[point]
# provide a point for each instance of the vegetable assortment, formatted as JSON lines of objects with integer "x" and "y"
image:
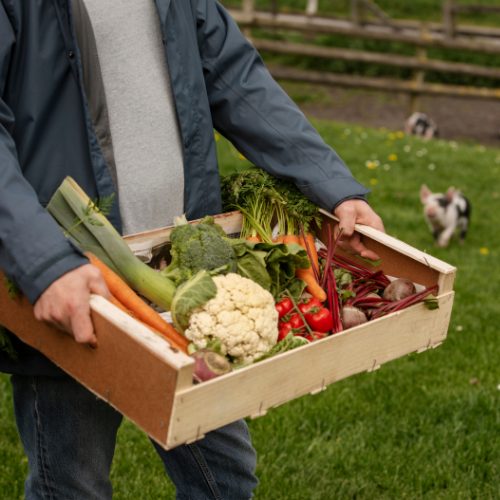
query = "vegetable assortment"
{"x": 237, "y": 301}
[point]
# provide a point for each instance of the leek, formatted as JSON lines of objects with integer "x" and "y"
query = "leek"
{"x": 142, "y": 278}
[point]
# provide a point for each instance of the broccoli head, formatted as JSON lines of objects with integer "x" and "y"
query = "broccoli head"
{"x": 195, "y": 248}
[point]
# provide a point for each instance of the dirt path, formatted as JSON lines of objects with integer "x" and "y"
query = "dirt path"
{"x": 457, "y": 118}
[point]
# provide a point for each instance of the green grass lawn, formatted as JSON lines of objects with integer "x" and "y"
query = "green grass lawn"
{"x": 415, "y": 429}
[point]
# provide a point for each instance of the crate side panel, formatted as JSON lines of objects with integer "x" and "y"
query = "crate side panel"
{"x": 251, "y": 391}
{"x": 121, "y": 370}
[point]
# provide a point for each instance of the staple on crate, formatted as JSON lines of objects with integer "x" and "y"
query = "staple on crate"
{"x": 422, "y": 349}
{"x": 260, "y": 414}
{"x": 374, "y": 367}
{"x": 321, "y": 389}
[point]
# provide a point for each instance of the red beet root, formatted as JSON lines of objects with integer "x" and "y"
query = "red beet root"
{"x": 399, "y": 289}
{"x": 209, "y": 365}
{"x": 352, "y": 316}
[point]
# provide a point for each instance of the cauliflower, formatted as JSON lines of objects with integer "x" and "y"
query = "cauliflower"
{"x": 242, "y": 315}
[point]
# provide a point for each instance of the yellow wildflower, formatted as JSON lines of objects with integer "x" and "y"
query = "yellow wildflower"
{"x": 217, "y": 137}
{"x": 393, "y": 157}
{"x": 400, "y": 134}
{"x": 484, "y": 251}
{"x": 392, "y": 137}
{"x": 373, "y": 181}
{"x": 241, "y": 157}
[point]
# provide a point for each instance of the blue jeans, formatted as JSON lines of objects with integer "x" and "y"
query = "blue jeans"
{"x": 69, "y": 437}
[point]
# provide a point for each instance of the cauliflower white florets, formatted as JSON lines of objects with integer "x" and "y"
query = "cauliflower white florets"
{"x": 242, "y": 315}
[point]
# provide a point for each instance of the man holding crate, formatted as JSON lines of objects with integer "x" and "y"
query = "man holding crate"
{"x": 123, "y": 96}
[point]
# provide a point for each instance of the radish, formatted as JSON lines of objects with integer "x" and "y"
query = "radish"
{"x": 209, "y": 365}
{"x": 399, "y": 289}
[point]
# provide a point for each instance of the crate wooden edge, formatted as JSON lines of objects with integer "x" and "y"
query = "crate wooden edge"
{"x": 365, "y": 348}
{"x": 400, "y": 246}
{"x": 231, "y": 222}
{"x": 144, "y": 336}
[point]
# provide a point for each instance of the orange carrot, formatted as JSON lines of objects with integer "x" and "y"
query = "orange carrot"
{"x": 312, "y": 285}
{"x": 131, "y": 301}
{"x": 312, "y": 248}
{"x": 257, "y": 239}
{"x": 280, "y": 238}
{"x": 290, "y": 238}
{"x": 118, "y": 304}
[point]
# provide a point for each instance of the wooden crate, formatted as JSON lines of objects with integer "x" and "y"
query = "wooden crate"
{"x": 150, "y": 383}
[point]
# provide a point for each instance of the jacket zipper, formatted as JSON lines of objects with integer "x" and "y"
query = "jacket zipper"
{"x": 71, "y": 34}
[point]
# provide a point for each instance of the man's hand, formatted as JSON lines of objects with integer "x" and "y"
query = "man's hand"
{"x": 65, "y": 303}
{"x": 352, "y": 212}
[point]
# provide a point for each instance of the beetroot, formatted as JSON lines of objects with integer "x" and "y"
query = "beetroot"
{"x": 399, "y": 289}
{"x": 209, "y": 365}
{"x": 352, "y": 316}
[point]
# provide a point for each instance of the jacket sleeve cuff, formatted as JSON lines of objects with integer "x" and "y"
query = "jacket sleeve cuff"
{"x": 330, "y": 193}
{"x": 37, "y": 281}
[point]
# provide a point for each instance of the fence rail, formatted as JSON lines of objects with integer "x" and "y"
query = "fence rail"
{"x": 423, "y": 36}
{"x": 407, "y": 86}
{"x": 417, "y": 63}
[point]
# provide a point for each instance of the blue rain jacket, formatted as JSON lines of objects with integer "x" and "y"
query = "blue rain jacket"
{"x": 46, "y": 134}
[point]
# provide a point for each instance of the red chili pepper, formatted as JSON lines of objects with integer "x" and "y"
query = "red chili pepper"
{"x": 307, "y": 304}
{"x": 320, "y": 319}
{"x": 284, "y": 307}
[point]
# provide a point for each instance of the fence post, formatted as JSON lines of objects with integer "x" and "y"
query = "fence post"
{"x": 355, "y": 12}
{"x": 449, "y": 19}
{"x": 274, "y": 7}
{"x": 418, "y": 78}
{"x": 248, "y": 8}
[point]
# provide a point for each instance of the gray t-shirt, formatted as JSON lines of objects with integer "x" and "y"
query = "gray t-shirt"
{"x": 142, "y": 115}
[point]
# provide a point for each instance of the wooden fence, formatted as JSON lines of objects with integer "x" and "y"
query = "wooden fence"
{"x": 447, "y": 35}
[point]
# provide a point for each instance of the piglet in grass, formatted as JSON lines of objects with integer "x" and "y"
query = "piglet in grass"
{"x": 445, "y": 213}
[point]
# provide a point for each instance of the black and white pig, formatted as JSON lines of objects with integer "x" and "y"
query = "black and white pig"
{"x": 421, "y": 124}
{"x": 444, "y": 213}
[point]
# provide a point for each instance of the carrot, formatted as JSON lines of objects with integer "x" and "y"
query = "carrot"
{"x": 257, "y": 239}
{"x": 131, "y": 301}
{"x": 312, "y": 285}
{"x": 118, "y": 304}
{"x": 280, "y": 238}
{"x": 312, "y": 248}
{"x": 290, "y": 238}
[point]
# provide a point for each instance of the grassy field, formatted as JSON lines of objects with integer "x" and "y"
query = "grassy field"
{"x": 415, "y": 429}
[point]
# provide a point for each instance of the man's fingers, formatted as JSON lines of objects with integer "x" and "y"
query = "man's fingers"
{"x": 347, "y": 220}
{"x": 97, "y": 284}
{"x": 374, "y": 221}
{"x": 82, "y": 327}
{"x": 357, "y": 247}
